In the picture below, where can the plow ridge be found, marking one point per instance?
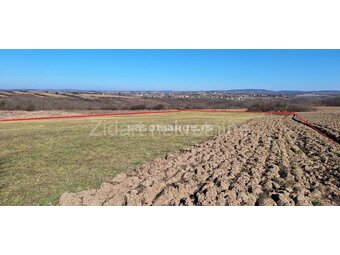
(302, 120)
(269, 161)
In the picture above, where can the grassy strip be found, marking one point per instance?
(41, 160)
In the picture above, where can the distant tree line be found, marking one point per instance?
(279, 106)
(335, 101)
(29, 102)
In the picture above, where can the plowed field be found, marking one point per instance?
(328, 123)
(268, 161)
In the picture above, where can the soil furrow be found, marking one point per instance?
(268, 161)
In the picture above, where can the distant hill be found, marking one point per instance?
(236, 91)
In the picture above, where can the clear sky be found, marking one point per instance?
(170, 69)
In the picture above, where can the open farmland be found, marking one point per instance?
(327, 121)
(270, 161)
(40, 160)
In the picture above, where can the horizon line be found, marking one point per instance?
(170, 90)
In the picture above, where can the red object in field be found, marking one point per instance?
(295, 115)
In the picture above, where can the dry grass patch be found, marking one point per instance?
(39, 160)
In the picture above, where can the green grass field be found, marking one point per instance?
(40, 160)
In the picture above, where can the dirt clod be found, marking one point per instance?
(244, 166)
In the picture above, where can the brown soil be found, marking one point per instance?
(269, 161)
(31, 114)
(329, 122)
(36, 114)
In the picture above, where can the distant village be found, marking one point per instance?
(203, 94)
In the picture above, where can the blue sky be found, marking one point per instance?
(170, 69)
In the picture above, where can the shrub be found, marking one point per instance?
(138, 107)
(278, 106)
(159, 107)
(300, 108)
(2, 104)
(335, 101)
(29, 107)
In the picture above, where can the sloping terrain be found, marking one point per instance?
(328, 122)
(66, 101)
(42, 159)
(268, 161)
